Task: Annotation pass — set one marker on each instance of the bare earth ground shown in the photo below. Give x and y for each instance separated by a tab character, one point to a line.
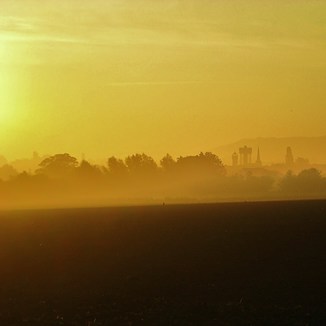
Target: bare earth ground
217	264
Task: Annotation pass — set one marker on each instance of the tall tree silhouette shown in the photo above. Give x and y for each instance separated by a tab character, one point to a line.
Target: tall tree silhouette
204	164
167	162
58	165
140	164
117	167
87	170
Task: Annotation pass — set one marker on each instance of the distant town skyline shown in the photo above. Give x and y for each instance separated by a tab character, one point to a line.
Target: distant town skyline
271	151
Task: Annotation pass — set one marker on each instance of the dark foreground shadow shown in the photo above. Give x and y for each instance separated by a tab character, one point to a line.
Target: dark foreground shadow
226	264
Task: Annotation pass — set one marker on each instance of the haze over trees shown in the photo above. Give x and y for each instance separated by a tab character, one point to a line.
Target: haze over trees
60	180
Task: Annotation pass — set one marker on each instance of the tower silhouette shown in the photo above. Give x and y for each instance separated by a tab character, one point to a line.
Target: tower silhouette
289	156
245	155
258	161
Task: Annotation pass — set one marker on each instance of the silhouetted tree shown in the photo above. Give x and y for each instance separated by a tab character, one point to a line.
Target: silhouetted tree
287	183
58	165
167	162
307	181
141	163
310	180
117	167
88	170
204	164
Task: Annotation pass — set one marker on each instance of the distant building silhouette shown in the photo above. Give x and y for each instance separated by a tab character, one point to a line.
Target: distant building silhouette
258	160
289	157
245	155
235	159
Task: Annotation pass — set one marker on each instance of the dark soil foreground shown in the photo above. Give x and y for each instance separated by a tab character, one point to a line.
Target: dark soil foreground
221	264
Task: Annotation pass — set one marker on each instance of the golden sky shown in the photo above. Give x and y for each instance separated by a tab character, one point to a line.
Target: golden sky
114	77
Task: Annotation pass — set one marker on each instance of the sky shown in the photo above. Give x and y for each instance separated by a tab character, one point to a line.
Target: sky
115	77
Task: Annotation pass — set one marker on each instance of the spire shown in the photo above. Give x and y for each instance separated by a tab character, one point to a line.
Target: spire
289	156
258	161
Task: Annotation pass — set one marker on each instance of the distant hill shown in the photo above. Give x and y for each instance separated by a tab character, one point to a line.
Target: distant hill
272	150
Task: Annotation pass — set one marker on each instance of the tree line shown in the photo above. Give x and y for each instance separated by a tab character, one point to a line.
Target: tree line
201	177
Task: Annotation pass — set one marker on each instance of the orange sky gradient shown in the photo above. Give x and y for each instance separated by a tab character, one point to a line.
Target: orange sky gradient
118	77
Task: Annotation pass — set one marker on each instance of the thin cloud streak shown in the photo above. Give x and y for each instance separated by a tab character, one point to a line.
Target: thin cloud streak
157	83
123	33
